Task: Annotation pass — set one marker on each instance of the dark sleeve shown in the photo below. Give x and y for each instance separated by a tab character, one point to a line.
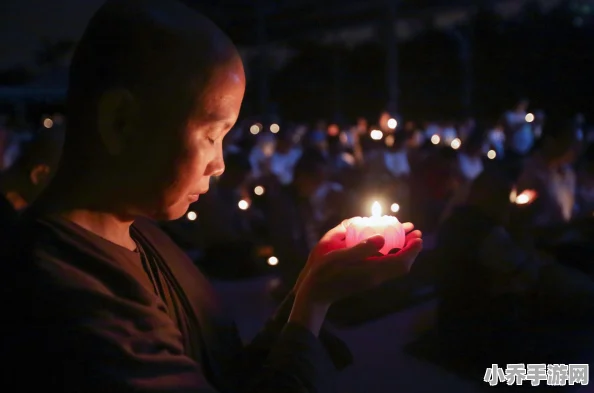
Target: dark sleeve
257	351
89	337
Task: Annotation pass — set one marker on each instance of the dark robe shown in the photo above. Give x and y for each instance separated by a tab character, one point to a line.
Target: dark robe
8	220
87	315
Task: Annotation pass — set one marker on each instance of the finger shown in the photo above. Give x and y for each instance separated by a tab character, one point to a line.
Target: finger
408	226
360	252
410	251
332	240
377	270
413	235
394	266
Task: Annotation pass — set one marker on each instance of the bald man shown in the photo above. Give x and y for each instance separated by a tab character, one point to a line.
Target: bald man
102	300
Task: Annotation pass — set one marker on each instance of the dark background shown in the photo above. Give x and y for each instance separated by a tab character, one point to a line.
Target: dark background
479	65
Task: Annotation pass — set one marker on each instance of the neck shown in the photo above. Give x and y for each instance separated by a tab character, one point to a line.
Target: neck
107	225
89	208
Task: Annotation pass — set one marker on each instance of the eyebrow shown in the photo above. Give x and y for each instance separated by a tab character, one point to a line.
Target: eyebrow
210	117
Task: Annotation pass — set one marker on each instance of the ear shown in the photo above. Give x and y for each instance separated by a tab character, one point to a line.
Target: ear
116	119
16	200
39	174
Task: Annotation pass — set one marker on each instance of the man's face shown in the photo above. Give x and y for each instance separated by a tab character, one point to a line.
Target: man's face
187	160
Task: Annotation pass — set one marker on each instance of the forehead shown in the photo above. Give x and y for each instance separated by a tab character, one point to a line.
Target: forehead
219	100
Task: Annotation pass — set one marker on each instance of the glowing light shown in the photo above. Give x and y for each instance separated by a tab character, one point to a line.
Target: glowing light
522	199
273	261
529	118
513	195
333	130
243	205
435	139
527	196
395	208
48	123
456	143
392	124
376	209
376	135
274	128
255	129
491	154
390	140
259	190
192	216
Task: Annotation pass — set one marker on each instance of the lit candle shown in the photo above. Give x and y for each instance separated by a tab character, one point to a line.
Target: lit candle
376	135
392	124
524	198
362	228
259	190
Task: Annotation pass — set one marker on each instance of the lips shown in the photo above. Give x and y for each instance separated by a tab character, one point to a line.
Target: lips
193	197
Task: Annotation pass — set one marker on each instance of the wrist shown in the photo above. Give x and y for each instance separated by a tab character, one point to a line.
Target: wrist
308	314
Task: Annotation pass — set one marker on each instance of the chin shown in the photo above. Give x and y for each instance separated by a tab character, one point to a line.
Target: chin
170	213
175	214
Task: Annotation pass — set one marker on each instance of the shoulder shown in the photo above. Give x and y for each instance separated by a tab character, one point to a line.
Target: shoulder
56	259
152	232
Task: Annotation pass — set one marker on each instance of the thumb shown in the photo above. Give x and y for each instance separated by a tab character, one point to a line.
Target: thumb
361	251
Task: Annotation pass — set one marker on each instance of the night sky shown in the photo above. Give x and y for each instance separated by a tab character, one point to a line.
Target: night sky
24	23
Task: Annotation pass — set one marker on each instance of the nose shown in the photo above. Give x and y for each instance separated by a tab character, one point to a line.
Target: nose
217	166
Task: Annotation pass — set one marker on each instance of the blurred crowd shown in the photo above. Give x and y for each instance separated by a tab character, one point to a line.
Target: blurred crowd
505	207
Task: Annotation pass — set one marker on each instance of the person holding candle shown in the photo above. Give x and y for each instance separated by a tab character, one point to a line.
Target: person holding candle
104	301
549	171
492	289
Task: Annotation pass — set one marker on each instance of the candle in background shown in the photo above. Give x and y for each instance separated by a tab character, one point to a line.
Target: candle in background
259	190
456	143
524	198
392	124
255	129
362	228
376	135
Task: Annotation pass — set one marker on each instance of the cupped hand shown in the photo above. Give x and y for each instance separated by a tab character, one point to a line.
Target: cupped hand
334	272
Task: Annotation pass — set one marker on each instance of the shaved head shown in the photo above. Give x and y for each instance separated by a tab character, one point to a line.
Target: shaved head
156	49
148	79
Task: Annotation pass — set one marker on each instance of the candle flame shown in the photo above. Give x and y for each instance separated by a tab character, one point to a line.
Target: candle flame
376	209
522	199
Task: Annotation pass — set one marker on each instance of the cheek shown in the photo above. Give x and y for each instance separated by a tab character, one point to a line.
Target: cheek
194	162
